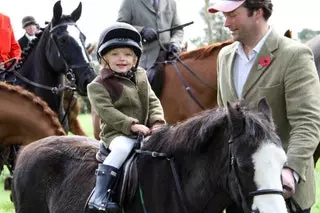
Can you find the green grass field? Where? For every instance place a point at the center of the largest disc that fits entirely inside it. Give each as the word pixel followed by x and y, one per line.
pixel 6 205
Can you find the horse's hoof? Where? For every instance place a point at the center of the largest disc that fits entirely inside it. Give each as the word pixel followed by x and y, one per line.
pixel 8 183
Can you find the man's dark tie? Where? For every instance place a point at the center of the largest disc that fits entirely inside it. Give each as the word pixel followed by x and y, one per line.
pixel 156 4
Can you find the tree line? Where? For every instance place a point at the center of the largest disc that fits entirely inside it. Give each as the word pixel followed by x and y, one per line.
pixel 214 30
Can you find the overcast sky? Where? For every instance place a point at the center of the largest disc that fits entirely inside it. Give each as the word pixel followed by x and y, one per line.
pixel 98 14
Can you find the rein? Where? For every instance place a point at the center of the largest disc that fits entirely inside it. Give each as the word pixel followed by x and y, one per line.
pixel 187 87
pixel 175 175
pixel 54 90
pixel 184 82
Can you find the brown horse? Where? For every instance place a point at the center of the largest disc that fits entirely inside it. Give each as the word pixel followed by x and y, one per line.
pixel 200 165
pixel 177 104
pixel 24 119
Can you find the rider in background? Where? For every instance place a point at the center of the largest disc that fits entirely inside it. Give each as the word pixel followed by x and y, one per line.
pixel 147 16
pixel 9 47
pixel 121 95
pixel 31 27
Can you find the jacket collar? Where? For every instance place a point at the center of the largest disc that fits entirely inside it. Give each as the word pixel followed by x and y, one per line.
pixel 106 73
pixel 271 44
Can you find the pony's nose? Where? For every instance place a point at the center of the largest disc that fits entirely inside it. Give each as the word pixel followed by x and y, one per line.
pixel 88 76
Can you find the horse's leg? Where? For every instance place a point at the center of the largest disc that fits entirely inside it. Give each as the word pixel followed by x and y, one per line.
pixel 316 155
pixel 74 123
pixel 96 124
pixel 73 112
pixel 26 182
pixel 75 127
pixel 4 154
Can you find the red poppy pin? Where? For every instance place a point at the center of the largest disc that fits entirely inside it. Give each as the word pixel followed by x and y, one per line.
pixel 265 61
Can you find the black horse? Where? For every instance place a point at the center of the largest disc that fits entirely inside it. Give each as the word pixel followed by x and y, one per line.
pixel 200 165
pixel 58 51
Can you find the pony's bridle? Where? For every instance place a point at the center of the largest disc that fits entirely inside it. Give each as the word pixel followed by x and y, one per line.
pixel 233 171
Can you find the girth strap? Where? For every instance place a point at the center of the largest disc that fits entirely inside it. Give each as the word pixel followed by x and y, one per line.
pixel 175 175
pixel 178 185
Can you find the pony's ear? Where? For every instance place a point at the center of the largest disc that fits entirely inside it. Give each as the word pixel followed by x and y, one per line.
pixel 57 11
pixel 236 119
pixel 75 15
pixel 265 109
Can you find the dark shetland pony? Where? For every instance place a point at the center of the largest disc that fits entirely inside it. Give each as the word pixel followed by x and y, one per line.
pixel 221 155
pixel 58 51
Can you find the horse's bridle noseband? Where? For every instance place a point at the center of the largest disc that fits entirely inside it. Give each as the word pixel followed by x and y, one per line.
pixel 251 195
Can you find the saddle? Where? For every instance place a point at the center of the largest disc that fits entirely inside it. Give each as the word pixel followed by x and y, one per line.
pixel 128 178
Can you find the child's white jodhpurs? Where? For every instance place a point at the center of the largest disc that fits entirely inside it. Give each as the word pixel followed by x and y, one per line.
pixel 120 148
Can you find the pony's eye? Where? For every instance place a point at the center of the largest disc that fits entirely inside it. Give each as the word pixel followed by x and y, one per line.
pixel 63 41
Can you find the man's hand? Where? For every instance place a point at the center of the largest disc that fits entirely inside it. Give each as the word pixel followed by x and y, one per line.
pixel 288 183
pixel 149 34
pixel 173 51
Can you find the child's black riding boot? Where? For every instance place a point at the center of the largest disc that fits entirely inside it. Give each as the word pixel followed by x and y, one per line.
pixel 100 200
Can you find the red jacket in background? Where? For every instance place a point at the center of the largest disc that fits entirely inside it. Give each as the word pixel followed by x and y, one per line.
pixel 9 47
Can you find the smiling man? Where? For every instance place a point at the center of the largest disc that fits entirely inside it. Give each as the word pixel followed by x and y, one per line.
pixel 261 63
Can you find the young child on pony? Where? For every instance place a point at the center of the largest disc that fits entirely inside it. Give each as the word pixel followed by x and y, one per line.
pixel 121 95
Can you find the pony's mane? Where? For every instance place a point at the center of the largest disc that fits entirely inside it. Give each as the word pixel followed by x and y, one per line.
pixel 28 49
pixel 37 101
pixel 191 136
pixel 204 52
pixel 210 128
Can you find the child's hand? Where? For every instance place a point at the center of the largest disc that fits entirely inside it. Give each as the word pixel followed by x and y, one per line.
pixel 140 128
pixel 156 126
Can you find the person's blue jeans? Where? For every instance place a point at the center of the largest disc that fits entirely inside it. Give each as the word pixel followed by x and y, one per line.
pixel 235 209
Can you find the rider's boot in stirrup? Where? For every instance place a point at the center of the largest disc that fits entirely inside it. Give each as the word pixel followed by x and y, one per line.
pixel 101 201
